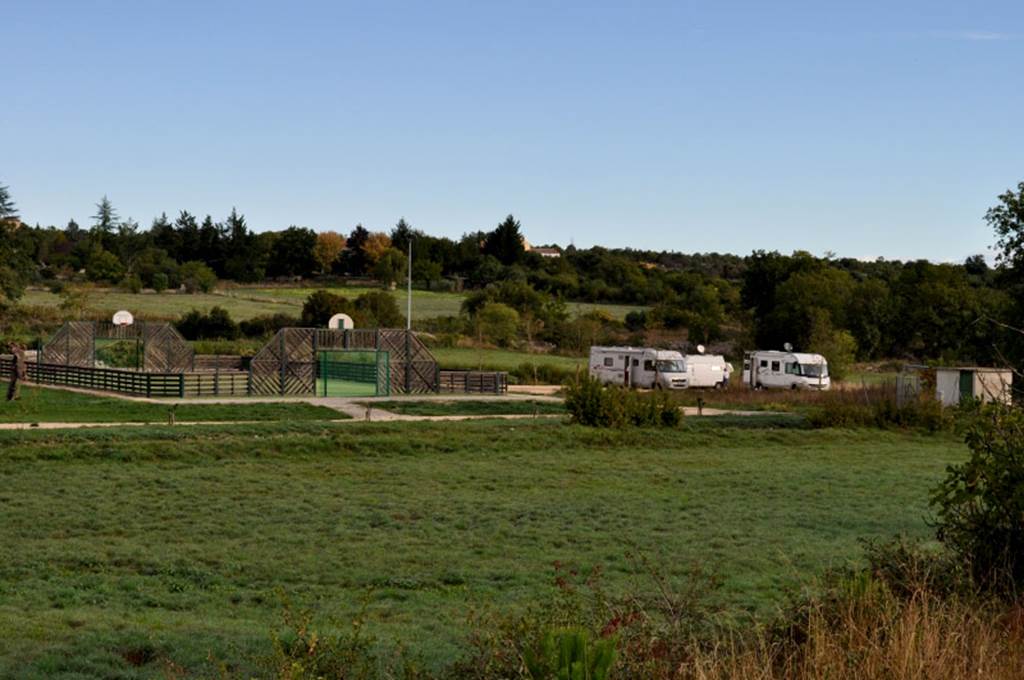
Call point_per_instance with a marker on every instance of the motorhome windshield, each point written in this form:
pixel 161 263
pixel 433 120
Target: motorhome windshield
pixel 814 370
pixel 671 366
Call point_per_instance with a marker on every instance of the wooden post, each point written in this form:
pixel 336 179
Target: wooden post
pixel 282 358
pixel 408 362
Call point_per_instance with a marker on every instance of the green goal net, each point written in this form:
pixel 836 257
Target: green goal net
pixel 353 373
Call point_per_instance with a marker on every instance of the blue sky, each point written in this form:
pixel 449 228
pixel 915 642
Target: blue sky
pixel 871 129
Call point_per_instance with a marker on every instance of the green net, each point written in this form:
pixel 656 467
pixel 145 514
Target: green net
pixel 353 373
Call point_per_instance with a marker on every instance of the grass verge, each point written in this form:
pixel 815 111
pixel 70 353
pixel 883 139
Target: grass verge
pixel 46 405
pixel 467 407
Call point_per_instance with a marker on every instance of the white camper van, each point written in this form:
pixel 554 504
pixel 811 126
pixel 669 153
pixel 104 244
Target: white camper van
pixel 707 370
pixel 785 370
pixel 638 367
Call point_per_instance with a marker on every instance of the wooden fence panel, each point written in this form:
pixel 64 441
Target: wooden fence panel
pixel 493 382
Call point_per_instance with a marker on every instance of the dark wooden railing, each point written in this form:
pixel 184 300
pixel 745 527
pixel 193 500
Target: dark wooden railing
pixel 138 383
pixel 102 379
pixel 215 383
pixel 494 382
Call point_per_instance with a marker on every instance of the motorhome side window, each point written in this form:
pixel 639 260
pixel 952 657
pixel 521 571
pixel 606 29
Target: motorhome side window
pixel 636 362
pixel 792 368
pixel 648 365
pixel 764 363
pixel 608 361
pixel 775 366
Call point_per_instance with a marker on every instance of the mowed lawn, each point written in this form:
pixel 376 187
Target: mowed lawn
pixel 248 302
pixel 183 542
pixel 46 405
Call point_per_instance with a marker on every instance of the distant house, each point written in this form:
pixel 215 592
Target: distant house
pixel 543 251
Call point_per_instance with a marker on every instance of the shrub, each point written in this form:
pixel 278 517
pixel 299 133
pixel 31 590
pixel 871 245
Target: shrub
pixel 321 305
pixel 343 651
pixel 132 283
pixel 377 309
pixel 266 325
pixel 980 504
pixel 197 277
pixel 595 405
pixel 636 320
pixel 647 632
pixel 571 654
pixel 215 324
pixel 498 323
pixel 160 282
pixel 880 409
pixel 103 265
pixel 909 568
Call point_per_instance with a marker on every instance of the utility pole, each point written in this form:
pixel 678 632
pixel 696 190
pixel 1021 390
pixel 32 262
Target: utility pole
pixel 408 300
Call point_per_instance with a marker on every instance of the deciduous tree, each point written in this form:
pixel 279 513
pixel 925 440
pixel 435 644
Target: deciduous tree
pixel 328 248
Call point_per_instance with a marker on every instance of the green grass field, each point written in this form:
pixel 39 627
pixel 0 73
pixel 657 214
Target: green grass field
pixel 167 305
pixel 500 359
pixel 181 542
pixel 468 407
pixel 44 405
pixel 247 302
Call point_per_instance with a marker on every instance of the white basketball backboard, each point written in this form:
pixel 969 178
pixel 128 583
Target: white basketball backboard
pixel 123 318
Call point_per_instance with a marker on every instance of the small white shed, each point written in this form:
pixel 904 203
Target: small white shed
pixel 954 384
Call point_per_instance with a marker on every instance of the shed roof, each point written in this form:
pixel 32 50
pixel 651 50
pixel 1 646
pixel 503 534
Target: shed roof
pixel 976 369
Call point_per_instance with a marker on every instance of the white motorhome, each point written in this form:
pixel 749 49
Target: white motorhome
pixel 772 369
pixel 707 370
pixel 638 367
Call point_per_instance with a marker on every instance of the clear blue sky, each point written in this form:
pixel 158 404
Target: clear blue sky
pixel 880 128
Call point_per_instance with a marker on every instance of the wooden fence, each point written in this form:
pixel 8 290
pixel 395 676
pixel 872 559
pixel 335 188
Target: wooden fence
pixel 102 379
pixel 215 383
pixel 494 382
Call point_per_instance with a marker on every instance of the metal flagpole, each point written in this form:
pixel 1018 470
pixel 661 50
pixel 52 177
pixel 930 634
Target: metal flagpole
pixel 408 302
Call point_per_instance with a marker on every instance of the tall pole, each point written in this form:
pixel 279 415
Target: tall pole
pixel 408 293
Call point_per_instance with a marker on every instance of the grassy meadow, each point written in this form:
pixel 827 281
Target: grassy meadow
pixel 248 302
pixel 45 405
pixel 125 553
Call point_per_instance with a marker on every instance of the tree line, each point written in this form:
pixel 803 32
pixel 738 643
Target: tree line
pixel 865 309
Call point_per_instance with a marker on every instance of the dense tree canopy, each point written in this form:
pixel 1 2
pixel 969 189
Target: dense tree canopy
pixel 870 309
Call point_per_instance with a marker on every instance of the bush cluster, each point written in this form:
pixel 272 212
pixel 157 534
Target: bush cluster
pixel 849 410
pixel 980 504
pixel 595 405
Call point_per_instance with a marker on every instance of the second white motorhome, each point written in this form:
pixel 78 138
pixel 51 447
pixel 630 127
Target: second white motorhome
pixel 707 370
pixel 767 369
pixel 638 367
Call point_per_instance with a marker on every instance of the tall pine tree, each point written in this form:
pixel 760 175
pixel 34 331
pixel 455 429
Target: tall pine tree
pixel 8 212
pixel 105 218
